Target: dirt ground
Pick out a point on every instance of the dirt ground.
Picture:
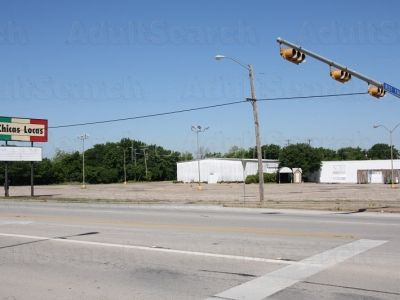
(340, 197)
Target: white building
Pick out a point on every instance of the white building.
(357, 171)
(213, 170)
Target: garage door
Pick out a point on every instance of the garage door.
(376, 177)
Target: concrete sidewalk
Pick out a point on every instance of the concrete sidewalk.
(353, 197)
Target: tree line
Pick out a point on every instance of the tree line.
(104, 163)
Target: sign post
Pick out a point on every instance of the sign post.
(6, 193)
(32, 177)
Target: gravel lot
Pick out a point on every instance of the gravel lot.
(307, 195)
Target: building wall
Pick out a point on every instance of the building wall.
(220, 170)
(346, 171)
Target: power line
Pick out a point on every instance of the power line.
(149, 115)
(203, 108)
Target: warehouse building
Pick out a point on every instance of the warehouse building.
(357, 171)
(213, 170)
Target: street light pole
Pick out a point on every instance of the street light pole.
(391, 148)
(83, 137)
(124, 166)
(253, 102)
(197, 129)
(198, 154)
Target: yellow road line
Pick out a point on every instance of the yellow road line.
(182, 226)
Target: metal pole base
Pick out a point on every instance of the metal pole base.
(83, 186)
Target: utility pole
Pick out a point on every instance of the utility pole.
(145, 161)
(253, 101)
(124, 166)
(132, 152)
(133, 158)
(83, 137)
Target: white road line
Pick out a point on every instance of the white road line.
(155, 249)
(271, 283)
(15, 222)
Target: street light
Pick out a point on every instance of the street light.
(391, 147)
(197, 129)
(83, 137)
(253, 101)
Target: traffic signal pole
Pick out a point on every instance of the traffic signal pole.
(331, 63)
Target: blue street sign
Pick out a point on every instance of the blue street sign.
(391, 89)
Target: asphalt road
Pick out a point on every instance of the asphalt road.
(93, 251)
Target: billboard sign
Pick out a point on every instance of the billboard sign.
(20, 154)
(22, 129)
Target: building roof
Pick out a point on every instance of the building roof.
(285, 170)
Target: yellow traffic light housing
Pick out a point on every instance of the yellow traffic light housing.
(293, 55)
(376, 92)
(340, 75)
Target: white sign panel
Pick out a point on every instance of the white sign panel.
(20, 154)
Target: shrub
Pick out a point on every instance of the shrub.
(251, 179)
(268, 178)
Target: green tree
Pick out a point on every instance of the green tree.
(271, 151)
(381, 151)
(301, 156)
(44, 172)
(18, 172)
(213, 155)
(68, 166)
(350, 153)
(236, 152)
(327, 154)
(185, 156)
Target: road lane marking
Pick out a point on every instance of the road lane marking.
(189, 227)
(273, 282)
(15, 222)
(154, 249)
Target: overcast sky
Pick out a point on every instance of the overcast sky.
(80, 61)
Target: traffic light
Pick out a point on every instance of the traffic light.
(340, 75)
(293, 55)
(376, 92)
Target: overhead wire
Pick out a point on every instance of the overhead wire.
(203, 108)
